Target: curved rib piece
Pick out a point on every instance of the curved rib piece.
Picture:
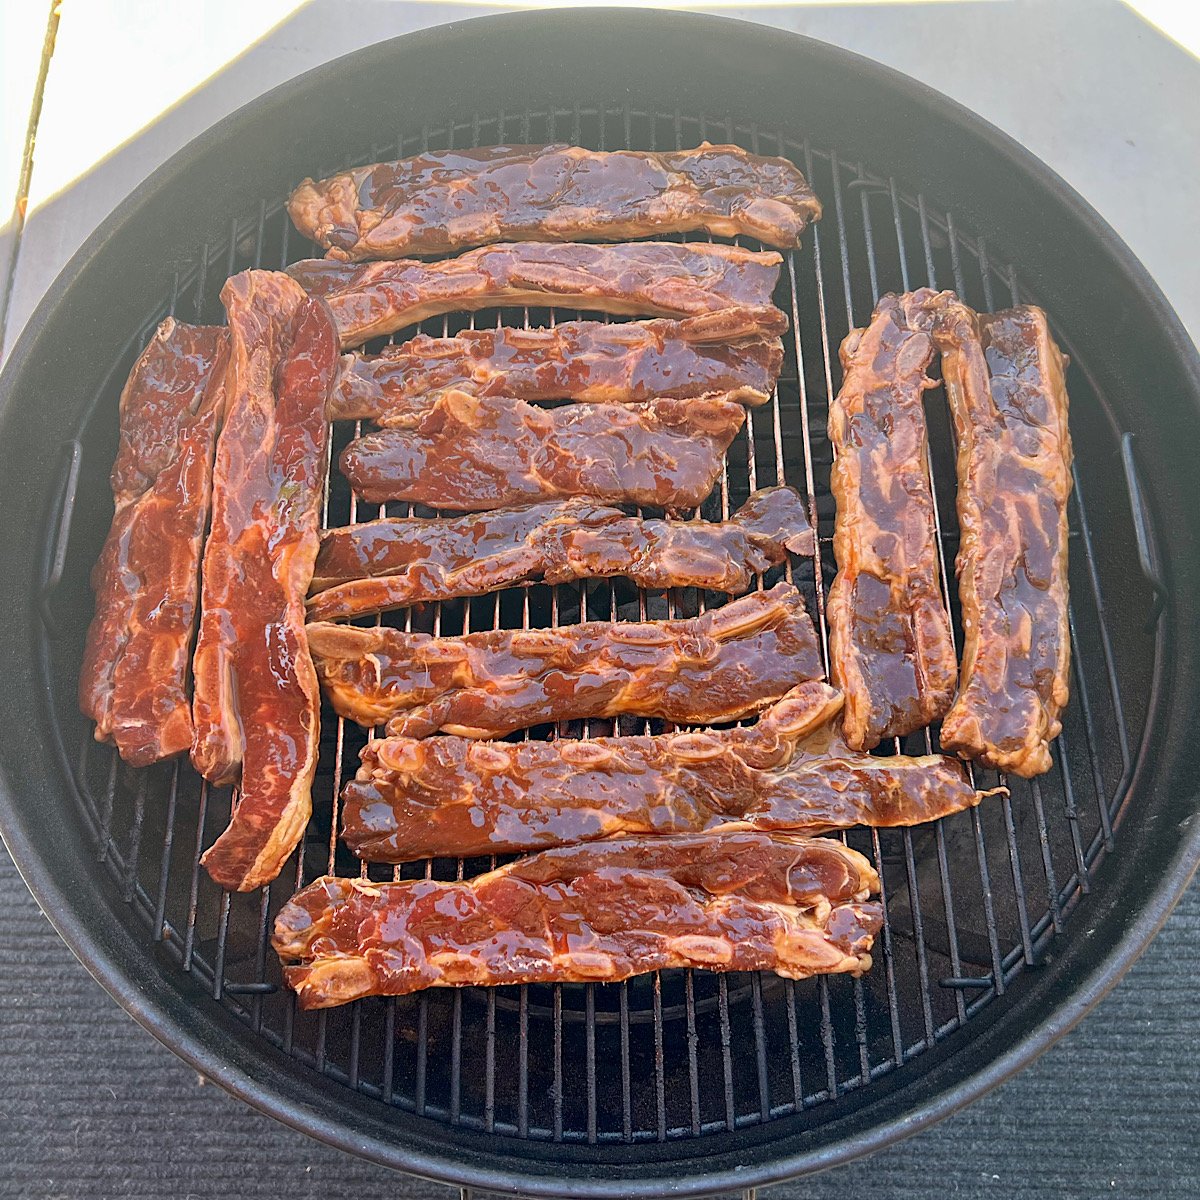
(471, 452)
(890, 646)
(735, 354)
(445, 200)
(137, 662)
(257, 702)
(723, 665)
(633, 279)
(599, 913)
(790, 772)
(399, 561)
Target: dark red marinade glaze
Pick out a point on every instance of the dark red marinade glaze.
(723, 665)
(890, 646)
(633, 279)
(257, 701)
(791, 772)
(594, 913)
(442, 201)
(134, 682)
(472, 452)
(734, 353)
(398, 561)
(1008, 399)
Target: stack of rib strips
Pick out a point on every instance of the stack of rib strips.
(222, 608)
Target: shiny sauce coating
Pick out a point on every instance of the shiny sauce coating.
(399, 561)
(1008, 398)
(634, 279)
(890, 646)
(257, 701)
(593, 913)
(472, 452)
(735, 353)
(723, 665)
(791, 772)
(442, 201)
(134, 682)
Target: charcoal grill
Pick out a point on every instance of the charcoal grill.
(1003, 926)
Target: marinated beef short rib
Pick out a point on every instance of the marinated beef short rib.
(257, 701)
(443, 201)
(890, 646)
(137, 662)
(790, 772)
(723, 665)
(399, 561)
(735, 353)
(483, 452)
(633, 279)
(585, 914)
(1008, 399)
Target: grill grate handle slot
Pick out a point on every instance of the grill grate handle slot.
(60, 526)
(1147, 552)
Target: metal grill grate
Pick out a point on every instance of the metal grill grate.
(970, 902)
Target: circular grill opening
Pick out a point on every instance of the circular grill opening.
(971, 902)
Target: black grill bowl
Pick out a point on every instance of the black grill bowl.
(1004, 927)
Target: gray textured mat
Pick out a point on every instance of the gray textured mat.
(92, 1106)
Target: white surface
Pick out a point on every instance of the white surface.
(1098, 92)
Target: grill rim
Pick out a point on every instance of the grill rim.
(208, 1037)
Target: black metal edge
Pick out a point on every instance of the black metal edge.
(192, 1032)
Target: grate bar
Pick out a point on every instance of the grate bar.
(164, 863)
(1083, 698)
(223, 921)
(919, 944)
(523, 1064)
(693, 1041)
(626, 1079)
(760, 1046)
(889, 953)
(260, 958)
(557, 1091)
(1014, 857)
(726, 1049)
(420, 1083)
(194, 892)
(660, 1086)
(831, 1075)
(489, 1063)
(455, 1057)
(590, 1058)
(135, 839)
(1106, 646)
(108, 806)
(859, 1001)
(1047, 862)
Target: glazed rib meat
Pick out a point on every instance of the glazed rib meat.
(634, 279)
(137, 662)
(257, 702)
(395, 562)
(443, 201)
(789, 772)
(723, 665)
(890, 646)
(481, 452)
(598, 913)
(735, 353)
(1008, 399)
